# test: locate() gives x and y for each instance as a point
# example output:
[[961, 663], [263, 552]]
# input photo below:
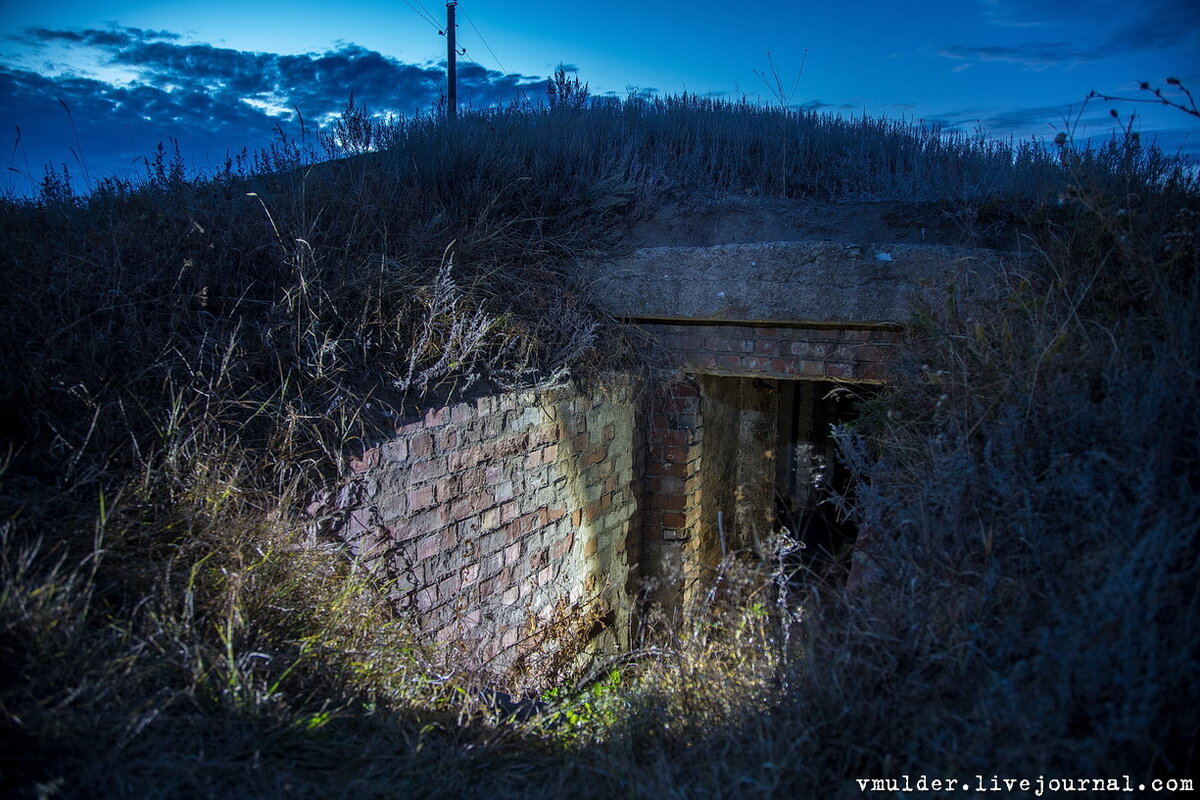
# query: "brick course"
[[490, 514]]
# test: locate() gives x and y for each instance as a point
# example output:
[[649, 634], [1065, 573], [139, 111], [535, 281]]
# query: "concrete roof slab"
[[798, 282]]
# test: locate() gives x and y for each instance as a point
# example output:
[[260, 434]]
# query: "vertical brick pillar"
[[671, 500]]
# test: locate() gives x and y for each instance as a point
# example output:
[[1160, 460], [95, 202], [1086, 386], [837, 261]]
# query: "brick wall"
[[508, 524], [684, 460], [778, 352], [521, 525]]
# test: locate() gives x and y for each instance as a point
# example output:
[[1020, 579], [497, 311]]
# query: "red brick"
[[428, 547], [421, 445], [509, 512], [729, 362], [427, 521], [610, 483], [673, 519], [674, 454], [673, 470], [673, 437], [671, 502], [812, 351], [577, 517], [465, 458], [420, 498], [560, 548], [462, 508], [579, 443], [473, 479], [424, 471], [436, 417], [837, 371], [447, 439], [589, 547], [447, 488], [368, 460], [784, 366], [594, 456], [481, 501]]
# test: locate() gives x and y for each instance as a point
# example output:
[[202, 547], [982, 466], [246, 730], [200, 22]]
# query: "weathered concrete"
[[804, 282]]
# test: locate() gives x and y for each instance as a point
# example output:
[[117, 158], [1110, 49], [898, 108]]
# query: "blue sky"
[[220, 75]]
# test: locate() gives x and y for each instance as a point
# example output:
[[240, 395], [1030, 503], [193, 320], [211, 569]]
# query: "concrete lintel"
[[813, 282]]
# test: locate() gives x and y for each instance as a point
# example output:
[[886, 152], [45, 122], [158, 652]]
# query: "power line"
[[423, 14], [485, 42]]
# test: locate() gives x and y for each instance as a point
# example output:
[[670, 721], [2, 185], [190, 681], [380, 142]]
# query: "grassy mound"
[[187, 359]]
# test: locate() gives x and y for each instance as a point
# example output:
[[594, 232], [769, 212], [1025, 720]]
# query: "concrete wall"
[[811, 282], [509, 525]]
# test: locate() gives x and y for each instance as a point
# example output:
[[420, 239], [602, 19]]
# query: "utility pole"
[[451, 66]]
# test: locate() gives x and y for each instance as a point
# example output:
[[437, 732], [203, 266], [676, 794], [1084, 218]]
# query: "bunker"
[[529, 528]]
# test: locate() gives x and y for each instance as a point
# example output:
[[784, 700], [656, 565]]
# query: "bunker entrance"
[[769, 462]]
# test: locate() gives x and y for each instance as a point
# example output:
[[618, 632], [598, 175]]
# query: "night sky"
[[97, 85]]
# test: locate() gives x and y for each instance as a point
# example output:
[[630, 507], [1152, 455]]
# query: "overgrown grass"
[[188, 359]]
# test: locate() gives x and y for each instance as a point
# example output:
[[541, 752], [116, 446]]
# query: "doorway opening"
[[769, 461]]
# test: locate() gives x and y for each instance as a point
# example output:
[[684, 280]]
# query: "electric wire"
[[423, 14], [471, 22]]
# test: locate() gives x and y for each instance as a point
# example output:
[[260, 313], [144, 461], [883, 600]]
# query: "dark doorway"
[[809, 472], [769, 461]]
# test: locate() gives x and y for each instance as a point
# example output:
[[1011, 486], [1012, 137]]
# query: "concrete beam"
[[807, 282]]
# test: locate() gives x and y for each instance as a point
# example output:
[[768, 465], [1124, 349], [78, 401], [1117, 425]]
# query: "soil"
[[738, 220]]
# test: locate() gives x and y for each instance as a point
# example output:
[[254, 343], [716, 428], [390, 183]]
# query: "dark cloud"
[[1038, 13], [38, 38], [1034, 55], [210, 99], [1099, 29]]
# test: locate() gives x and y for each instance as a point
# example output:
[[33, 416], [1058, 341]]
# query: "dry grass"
[[187, 362]]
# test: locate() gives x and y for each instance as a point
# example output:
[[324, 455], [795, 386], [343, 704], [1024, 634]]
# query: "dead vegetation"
[[187, 359]]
